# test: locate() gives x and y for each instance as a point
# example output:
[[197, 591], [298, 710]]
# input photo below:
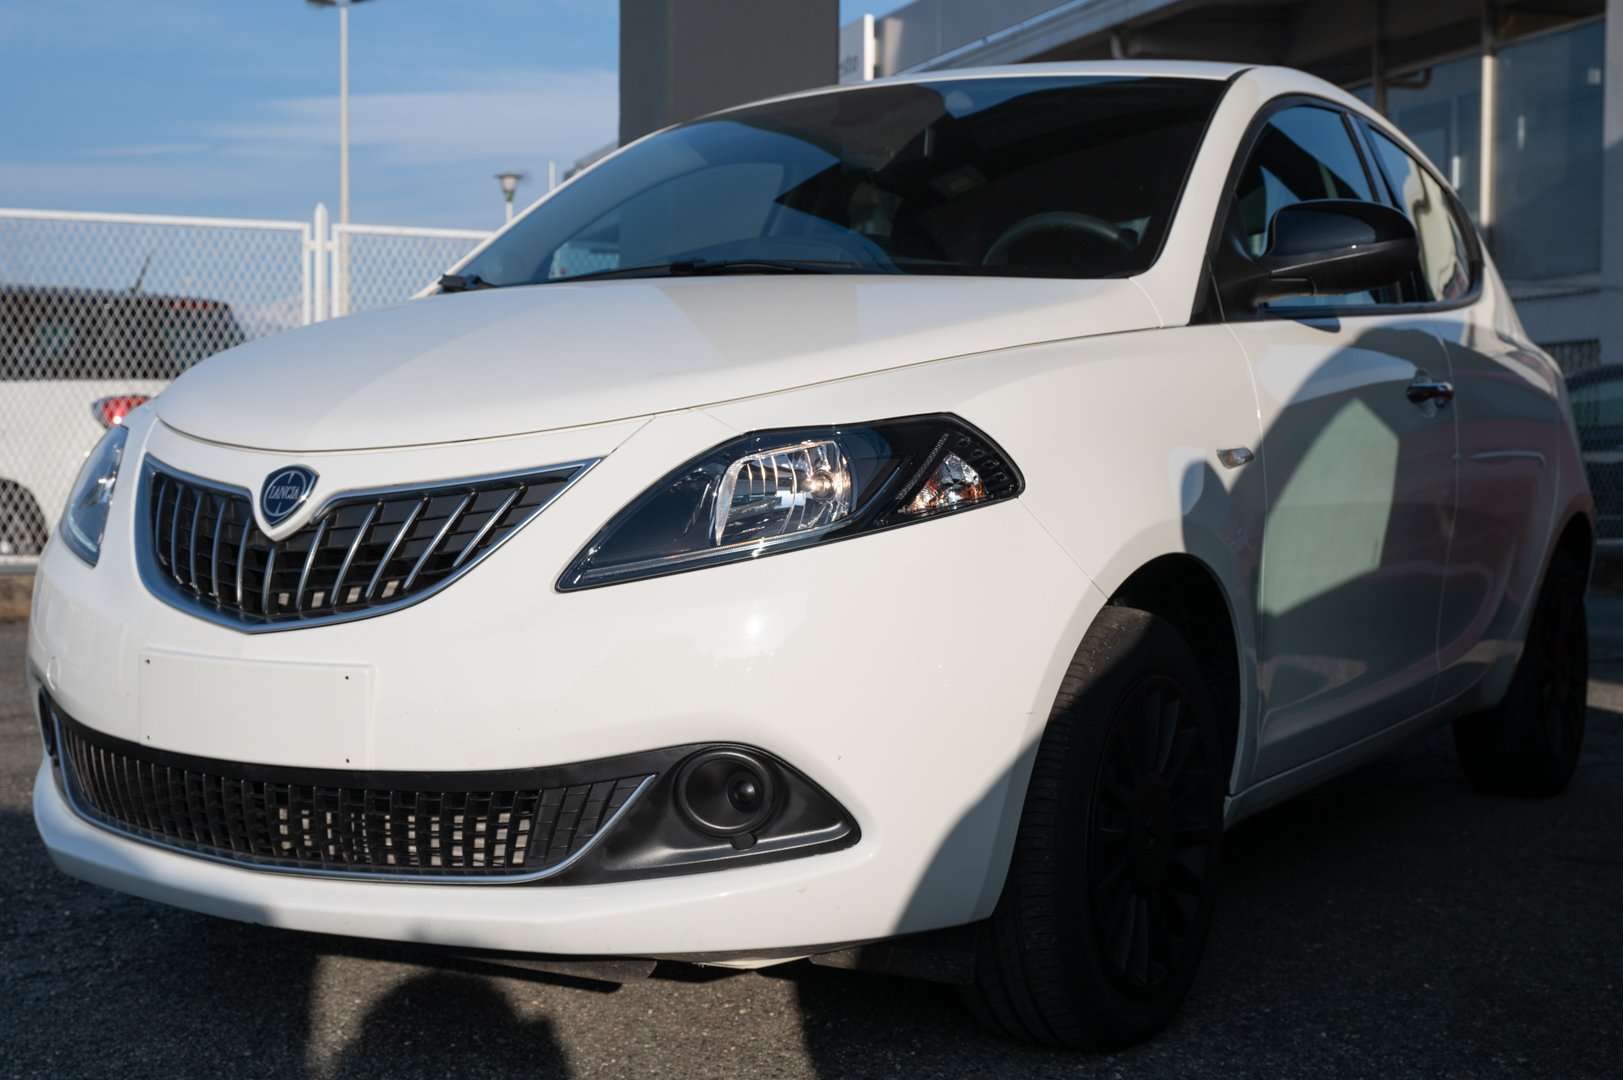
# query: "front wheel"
[[1529, 743], [1110, 890]]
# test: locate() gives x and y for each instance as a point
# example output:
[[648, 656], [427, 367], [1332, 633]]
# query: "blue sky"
[[229, 107]]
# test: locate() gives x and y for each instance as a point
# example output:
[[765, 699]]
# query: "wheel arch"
[[1576, 538], [22, 519], [1188, 593]]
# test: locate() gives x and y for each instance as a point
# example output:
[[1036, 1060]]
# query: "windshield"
[[1026, 175]]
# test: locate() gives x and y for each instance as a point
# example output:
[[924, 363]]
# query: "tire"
[[1122, 824], [1528, 745], [22, 527]]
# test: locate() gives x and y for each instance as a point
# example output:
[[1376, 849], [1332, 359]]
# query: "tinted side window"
[[1445, 260], [1303, 153]]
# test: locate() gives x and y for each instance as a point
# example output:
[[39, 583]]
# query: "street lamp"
[[509, 182], [343, 7]]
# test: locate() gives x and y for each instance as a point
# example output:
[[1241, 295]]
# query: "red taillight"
[[113, 410]]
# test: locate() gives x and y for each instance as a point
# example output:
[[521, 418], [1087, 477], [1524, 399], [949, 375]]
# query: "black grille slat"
[[310, 563], [214, 548], [360, 553], [192, 539], [340, 827], [490, 524]]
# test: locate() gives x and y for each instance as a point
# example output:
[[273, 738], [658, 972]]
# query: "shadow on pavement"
[[1390, 923]]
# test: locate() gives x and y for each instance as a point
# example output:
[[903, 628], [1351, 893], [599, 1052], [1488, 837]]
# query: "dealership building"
[[1519, 102]]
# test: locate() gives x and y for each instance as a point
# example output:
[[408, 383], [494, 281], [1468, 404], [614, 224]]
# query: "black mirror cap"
[[1326, 247]]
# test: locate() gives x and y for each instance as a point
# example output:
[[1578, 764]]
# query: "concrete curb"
[[15, 590]]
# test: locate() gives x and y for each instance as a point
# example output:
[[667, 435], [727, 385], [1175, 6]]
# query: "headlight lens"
[[85, 520], [773, 491]]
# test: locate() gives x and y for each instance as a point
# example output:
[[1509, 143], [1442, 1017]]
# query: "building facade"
[[1519, 103]]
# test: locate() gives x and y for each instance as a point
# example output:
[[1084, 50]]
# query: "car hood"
[[510, 361]]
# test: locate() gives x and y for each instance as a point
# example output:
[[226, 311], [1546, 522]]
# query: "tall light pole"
[[509, 182], [343, 7]]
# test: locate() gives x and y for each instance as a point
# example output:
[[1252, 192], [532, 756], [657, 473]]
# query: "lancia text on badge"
[[284, 492]]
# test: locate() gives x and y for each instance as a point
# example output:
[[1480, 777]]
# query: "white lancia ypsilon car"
[[909, 520]]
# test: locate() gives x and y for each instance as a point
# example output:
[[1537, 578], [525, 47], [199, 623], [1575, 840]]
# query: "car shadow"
[[1391, 921]]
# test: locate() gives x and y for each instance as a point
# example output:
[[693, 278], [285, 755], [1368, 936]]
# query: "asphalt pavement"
[[1390, 924]]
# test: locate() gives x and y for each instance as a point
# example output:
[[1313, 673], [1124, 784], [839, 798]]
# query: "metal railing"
[[98, 312]]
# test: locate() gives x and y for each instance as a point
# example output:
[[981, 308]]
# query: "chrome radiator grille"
[[457, 826], [364, 552]]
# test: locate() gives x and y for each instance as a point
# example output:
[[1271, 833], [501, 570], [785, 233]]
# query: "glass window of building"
[[1547, 155]]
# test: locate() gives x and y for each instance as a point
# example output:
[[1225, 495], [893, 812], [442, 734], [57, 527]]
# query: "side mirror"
[[1327, 247]]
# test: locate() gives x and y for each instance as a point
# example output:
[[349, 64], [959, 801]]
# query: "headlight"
[[85, 519], [773, 491]]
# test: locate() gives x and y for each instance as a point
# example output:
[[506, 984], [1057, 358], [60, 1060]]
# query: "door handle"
[[1423, 390]]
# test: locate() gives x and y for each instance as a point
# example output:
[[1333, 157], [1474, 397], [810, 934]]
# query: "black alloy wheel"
[[1154, 837], [1099, 930], [1529, 744]]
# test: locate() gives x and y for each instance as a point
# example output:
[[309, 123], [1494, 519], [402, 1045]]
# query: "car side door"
[[1508, 421], [1356, 460]]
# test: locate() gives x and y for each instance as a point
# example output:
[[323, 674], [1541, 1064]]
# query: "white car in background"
[[946, 502], [74, 362]]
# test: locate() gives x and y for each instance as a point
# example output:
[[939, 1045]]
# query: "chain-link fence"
[[375, 266], [99, 311]]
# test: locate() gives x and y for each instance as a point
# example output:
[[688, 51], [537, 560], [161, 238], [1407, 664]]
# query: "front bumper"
[[691, 915], [908, 673]]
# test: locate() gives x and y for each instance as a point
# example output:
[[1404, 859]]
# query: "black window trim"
[[1378, 183], [1456, 209]]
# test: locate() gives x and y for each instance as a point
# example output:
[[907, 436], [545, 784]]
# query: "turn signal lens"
[[774, 491], [954, 483]]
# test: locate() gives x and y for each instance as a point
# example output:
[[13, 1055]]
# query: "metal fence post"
[[323, 245], [340, 269], [307, 256]]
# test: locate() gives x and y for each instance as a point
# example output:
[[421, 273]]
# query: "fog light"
[[727, 792]]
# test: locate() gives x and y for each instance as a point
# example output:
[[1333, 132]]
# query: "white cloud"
[[522, 115], [420, 158], [145, 150]]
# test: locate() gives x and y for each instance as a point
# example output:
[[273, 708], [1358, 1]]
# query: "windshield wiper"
[[450, 283], [702, 267]]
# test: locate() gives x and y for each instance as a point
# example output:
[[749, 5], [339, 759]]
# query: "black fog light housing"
[[47, 725], [727, 792], [718, 806]]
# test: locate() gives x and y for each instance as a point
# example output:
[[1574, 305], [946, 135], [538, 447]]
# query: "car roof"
[[1165, 69], [1290, 79]]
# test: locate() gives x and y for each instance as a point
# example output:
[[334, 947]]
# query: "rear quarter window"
[[1445, 258]]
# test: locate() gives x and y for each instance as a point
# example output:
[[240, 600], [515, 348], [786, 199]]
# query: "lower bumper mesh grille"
[[455, 826]]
